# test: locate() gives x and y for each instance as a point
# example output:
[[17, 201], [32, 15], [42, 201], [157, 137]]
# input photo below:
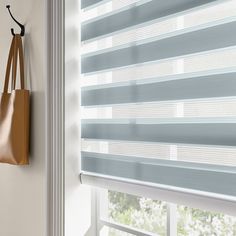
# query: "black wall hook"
[[22, 33]]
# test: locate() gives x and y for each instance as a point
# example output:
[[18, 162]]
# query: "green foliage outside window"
[[138, 212], [196, 222], [151, 215]]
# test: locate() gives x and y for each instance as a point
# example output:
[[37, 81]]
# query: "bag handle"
[[9, 62], [21, 61], [15, 50], [14, 64]]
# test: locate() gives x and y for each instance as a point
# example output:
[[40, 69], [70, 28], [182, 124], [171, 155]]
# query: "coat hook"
[[22, 33]]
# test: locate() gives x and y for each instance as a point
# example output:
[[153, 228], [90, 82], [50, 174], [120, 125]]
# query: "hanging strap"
[[15, 50], [9, 62], [14, 64], [21, 61]]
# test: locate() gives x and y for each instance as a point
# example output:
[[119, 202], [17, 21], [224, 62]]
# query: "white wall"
[[22, 189]]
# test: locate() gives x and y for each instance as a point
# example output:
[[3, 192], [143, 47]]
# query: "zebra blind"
[[125, 50]]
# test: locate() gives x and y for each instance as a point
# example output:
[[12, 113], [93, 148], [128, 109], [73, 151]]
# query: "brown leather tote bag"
[[14, 111]]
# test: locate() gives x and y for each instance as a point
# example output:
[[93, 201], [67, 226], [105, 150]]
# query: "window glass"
[[138, 212], [198, 222], [151, 216]]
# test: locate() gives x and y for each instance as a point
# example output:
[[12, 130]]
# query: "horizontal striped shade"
[[91, 3], [210, 85], [189, 86], [202, 177], [140, 14], [180, 130], [182, 43]]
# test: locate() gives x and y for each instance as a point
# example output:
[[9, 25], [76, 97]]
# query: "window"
[[158, 120], [153, 216], [140, 213]]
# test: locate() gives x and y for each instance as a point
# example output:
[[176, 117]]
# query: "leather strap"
[[9, 62], [21, 60], [15, 50], [14, 64]]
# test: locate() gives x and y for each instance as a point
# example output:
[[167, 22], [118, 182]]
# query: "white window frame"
[[171, 223], [55, 165], [54, 117], [163, 193], [171, 196]]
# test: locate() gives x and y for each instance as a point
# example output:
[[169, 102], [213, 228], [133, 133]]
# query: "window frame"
[[193, 199], [173, 195], [172, 198], [54, 65]]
